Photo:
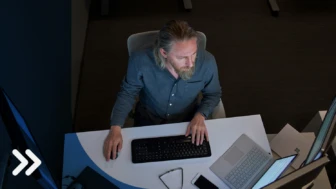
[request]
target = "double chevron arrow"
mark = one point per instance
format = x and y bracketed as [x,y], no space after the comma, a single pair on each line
[24,162]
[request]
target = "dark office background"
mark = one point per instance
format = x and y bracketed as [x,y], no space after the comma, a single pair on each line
[35,69]
[282,68]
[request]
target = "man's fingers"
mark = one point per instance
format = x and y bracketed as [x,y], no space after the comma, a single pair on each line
[114,150]
[206,134]
[202,137]
[108,151]
[198,137]
[193,135]
[120,146]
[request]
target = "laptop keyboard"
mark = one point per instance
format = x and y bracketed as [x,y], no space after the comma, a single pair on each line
[254,159]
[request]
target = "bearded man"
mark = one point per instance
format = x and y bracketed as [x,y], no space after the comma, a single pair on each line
[167,78]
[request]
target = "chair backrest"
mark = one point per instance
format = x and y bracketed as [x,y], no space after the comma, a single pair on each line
[144,40]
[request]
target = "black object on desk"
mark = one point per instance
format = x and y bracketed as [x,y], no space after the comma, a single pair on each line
[112,155]
[90,179]
[167,148]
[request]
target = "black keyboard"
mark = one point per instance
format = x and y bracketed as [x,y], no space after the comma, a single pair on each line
[167,148]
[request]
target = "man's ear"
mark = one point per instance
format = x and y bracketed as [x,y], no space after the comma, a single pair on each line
[163,53]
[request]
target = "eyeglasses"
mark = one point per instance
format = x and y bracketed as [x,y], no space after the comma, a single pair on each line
[171,177]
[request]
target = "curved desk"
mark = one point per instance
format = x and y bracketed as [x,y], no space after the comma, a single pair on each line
[86,149]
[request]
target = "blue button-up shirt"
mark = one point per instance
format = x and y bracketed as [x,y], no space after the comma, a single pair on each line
[162,94]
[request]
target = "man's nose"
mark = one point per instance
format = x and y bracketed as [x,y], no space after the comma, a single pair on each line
[189,62]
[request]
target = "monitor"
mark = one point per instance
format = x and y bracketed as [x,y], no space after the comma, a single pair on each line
[325,135]
[22,139]
[330,136]
[300,177]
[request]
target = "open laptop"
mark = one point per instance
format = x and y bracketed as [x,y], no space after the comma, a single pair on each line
[91,179]
[246,165]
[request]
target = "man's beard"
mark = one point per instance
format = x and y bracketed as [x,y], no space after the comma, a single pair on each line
[184,72]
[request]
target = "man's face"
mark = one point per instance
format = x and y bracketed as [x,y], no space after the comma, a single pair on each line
[182,57]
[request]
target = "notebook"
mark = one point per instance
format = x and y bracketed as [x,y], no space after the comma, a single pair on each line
[246,165]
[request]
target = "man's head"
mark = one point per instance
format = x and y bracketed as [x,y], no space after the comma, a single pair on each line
[176,45]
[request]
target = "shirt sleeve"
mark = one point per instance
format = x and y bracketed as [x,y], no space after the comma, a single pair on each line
[212,91]
[130,88]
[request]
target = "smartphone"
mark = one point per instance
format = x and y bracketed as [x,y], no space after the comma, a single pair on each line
[202,183]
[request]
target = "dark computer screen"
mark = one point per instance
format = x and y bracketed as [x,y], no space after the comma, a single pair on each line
[8,108]
[321,136]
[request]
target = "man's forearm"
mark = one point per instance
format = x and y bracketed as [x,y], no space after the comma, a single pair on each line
[121,109]
[208,103]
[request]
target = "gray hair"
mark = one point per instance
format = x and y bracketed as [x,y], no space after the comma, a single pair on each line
[172,31]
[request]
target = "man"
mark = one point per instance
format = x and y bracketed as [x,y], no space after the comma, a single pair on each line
[168,78]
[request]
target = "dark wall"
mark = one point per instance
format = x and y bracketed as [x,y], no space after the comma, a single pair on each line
[35,69]
[79,22]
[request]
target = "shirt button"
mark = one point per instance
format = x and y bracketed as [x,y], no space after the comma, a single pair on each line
[172,94]
[170,104]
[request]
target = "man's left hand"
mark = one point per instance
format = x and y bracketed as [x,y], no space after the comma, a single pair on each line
[198,129]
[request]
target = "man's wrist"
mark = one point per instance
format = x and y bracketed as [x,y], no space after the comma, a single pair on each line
[200,114]
[115,128]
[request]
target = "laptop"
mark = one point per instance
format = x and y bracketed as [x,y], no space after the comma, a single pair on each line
[90,179]
[246,165]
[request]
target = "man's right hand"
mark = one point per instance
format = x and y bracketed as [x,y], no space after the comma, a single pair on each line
[113,143]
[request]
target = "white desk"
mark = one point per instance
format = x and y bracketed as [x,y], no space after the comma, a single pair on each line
[86,148]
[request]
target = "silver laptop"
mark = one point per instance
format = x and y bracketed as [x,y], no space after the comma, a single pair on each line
[246,165]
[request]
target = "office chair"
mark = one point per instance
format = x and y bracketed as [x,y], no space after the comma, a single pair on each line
[145,40]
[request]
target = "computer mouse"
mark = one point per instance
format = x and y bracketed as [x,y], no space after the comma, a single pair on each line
[112,155]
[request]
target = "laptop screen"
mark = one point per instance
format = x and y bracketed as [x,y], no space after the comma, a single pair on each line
[318,156]
[322,134]
[274,171]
